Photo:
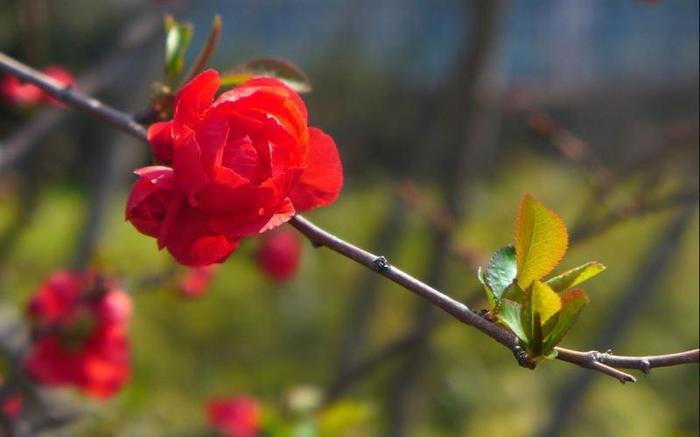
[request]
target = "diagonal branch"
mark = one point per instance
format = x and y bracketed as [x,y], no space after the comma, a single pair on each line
[72,97]
[644,364]
[379,264]
[595,361]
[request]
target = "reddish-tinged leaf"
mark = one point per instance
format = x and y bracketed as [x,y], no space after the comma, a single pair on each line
[279,68]
[572,302]
[541,240]
[207,50]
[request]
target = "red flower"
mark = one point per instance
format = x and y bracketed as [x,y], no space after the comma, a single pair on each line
[242,164]
[235,417]
[80,324]
[19,93]
[11,405]
[279,254]
[156,208]
[195,281]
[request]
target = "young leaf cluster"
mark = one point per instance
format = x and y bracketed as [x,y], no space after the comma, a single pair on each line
[178,36]
[540,312]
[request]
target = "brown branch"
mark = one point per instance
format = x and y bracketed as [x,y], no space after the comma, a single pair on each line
[72,97]
[381,265]
[644,364]
[590,360]
[320,237]
[128,46]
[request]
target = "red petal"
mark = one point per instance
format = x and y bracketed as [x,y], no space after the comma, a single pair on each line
[193,99]
[227,191]
[272,97]
[285,150]
[194,244]
[321,181]
[139,192]
[242,224]
[173,211]
[190,175]
[211,136]
[160,138]
[152,179]
[275,189]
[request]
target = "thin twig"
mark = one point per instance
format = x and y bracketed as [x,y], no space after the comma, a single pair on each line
[381,265]
[590,360]
[72,97]
[128,47]
[644,364]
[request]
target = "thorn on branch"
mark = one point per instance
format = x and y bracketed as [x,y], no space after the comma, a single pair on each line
[381,263]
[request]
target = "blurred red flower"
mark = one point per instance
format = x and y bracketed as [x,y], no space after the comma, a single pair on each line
[80,323]
[20,93]
[279,254]
[235,417]
[196,280]
[242,164]
[11,405]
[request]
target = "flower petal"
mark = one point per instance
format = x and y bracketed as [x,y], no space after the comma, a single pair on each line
[227,191]
[190,175]
[160,138]
[193,243]
[242,224]
[193,99]
[211,136]
[321,181]
[273,98]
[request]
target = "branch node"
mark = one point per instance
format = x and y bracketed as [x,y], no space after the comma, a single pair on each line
[601,357]
[645,366]
[65,91]
[381,263]
[523,358]
[316,244]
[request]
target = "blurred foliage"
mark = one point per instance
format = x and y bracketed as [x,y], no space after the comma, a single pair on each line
[247,335]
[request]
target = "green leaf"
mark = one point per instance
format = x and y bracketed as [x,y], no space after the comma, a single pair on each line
[177,39]
[501,271]
[489,294]
[510,317]
[545,301]
[535,344]
[575,276]
[541,306]
[279,68]
[541,240]
[573,302]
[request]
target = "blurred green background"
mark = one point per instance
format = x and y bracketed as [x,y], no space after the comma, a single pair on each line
[444,111]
